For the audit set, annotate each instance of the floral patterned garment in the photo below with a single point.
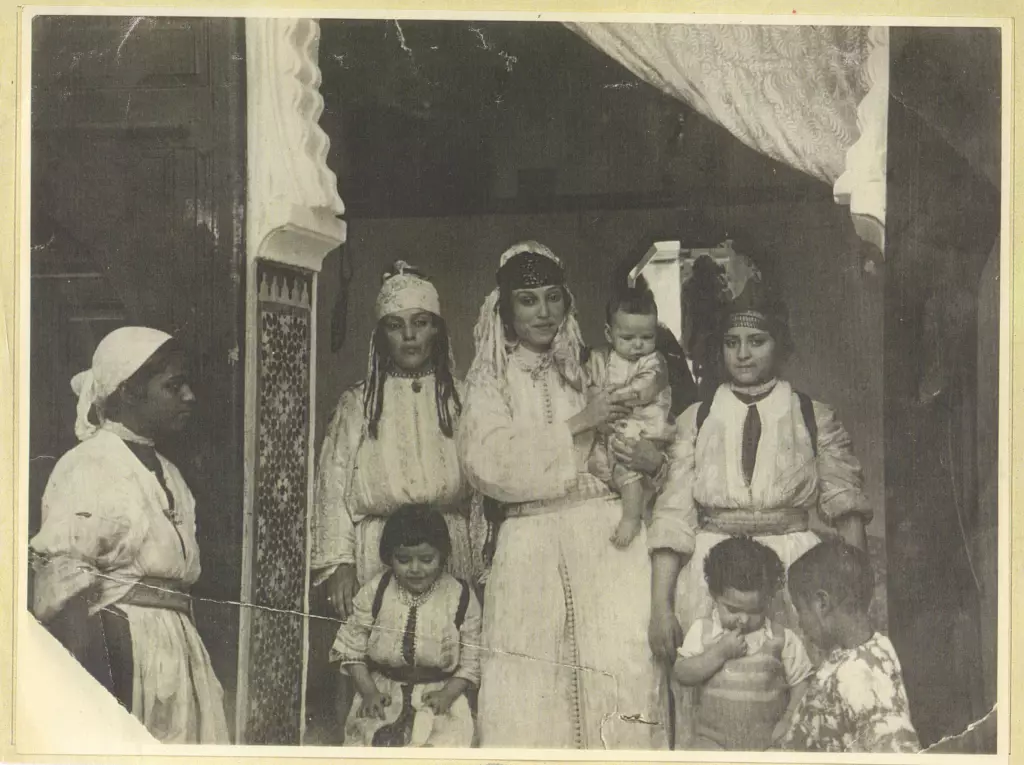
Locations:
(855, 702)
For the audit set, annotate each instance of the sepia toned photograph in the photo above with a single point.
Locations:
(507, 386)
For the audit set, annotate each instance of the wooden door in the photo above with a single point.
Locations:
(138, 190)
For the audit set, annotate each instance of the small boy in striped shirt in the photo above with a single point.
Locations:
(750, 671)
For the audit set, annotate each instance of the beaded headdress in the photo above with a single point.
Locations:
(526, 265)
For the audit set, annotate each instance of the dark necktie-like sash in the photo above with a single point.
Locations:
(751, 434)
(751, 438)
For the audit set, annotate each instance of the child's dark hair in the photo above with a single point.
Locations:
(413, 525)
(742, 564)
(837, 568)
(637, 300)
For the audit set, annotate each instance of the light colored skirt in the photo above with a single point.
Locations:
(693, 601)
(175, 693)
(567, 662)
(453, 729)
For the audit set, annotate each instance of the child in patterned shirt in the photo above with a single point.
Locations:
(855, 701)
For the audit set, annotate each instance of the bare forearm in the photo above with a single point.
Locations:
(363, 679)
(795, 694)
(665, 568)
(696, 670)
(456, 687)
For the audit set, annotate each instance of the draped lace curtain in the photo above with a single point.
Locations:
(813, 97)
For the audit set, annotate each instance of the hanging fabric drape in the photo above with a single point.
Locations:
(813, 97)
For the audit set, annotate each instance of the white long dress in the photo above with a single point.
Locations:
(105, 526)
(567, 662)
(362, 480)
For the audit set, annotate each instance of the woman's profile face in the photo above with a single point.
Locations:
(537, 315)
(166, 402)
(750, 355)
(410, 334)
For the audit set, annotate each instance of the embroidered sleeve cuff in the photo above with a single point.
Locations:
(324, 571)
(472, 678)
(668, 533)
(834, 511)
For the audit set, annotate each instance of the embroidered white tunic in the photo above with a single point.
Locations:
(789, 482)
(362, 480)
(566, 621)
(105, 526)
(431, 639)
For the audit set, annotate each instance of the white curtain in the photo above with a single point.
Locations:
(814, 97)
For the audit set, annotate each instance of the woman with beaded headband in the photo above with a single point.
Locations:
(390, 444)
(754, 458)
(566, 661)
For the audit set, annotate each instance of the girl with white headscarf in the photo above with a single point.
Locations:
(391, 443)
(566, 661)
(117, 546)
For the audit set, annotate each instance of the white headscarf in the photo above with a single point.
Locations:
(118, 356)
(492, 346)
(403, 290)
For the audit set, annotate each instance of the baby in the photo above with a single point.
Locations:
(751, 673)
(855, 701)
(630, 364)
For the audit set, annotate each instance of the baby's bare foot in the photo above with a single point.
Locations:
(625, 532)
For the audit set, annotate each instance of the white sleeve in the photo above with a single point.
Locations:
(693, 643)
(795, 660)
(509, 461)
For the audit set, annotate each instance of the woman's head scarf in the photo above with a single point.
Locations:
(402, 288)
(118, 356)
(526, 265)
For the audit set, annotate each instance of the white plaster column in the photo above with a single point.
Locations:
(292, 209)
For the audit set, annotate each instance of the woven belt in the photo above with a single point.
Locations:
(409, 675)
(755, 523)
(159, 593)
(587, 487)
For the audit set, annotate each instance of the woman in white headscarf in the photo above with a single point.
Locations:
(391, 443)
(117, 544)
(566, 661)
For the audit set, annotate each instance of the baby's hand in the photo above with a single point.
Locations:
(732, 645)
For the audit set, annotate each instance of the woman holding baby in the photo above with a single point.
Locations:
(567, 662)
